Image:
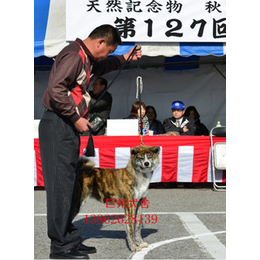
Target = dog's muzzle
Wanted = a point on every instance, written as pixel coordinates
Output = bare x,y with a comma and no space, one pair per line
147,164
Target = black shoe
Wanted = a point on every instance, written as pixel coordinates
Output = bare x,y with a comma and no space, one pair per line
85,249
69,254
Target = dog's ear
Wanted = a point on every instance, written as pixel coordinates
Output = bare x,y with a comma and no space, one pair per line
156,149
134,151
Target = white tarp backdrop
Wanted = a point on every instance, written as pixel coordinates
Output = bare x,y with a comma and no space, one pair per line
204,88
150,21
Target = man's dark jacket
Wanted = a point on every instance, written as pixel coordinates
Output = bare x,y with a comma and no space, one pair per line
171,125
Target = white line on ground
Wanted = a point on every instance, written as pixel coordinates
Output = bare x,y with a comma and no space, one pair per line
140,255
195,227
199,232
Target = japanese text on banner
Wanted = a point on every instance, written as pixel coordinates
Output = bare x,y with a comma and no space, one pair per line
150,20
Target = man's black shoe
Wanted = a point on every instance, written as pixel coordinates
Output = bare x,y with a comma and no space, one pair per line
69,254
85,249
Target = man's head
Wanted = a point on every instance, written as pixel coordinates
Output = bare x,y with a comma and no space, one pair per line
107,32
99,85
102,41
178,109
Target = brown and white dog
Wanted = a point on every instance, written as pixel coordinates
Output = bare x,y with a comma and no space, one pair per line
127,183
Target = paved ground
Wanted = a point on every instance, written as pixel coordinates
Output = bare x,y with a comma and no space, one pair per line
185,223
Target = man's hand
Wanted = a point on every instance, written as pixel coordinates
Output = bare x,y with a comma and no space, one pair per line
82,125
185,129
136,55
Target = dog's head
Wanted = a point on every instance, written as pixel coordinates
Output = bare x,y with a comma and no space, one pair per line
145,158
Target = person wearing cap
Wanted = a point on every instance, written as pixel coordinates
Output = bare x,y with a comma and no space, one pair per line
178,122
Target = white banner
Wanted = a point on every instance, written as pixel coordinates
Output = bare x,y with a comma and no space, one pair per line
149,20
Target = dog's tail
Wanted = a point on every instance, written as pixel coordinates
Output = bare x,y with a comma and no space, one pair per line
85,165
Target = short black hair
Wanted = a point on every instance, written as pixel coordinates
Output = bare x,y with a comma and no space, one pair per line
108,32
151,107
189,109
102,81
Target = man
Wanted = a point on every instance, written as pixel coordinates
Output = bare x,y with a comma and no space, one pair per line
103,106
66,101
179,123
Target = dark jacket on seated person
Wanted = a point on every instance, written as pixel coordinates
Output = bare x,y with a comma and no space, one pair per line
170,125
201,129
103,107
157,127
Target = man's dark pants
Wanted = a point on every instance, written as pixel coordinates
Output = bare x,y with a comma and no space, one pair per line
59,148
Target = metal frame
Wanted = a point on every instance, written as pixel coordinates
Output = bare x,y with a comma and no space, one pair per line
219,132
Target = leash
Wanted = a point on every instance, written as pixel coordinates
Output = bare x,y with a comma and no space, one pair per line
109,85
139,90
90,151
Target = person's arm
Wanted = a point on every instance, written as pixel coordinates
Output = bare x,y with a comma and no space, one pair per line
190,128
136,55
62,79
169,126
111,63
82,125
114,62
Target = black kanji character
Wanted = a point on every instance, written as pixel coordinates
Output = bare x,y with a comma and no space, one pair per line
173,7
114,5
125,27
92,5
219,28
154,7
131,6
210,7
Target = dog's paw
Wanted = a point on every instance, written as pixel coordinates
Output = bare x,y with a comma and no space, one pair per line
136,249
144,244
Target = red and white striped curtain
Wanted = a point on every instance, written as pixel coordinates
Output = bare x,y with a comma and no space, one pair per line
182,158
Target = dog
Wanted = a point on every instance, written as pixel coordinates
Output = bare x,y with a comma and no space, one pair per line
127,183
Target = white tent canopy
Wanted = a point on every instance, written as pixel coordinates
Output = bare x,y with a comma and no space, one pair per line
50,36
203,87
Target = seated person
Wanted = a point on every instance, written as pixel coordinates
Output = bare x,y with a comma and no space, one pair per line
103,106
135,114
192,112
154,124
178,122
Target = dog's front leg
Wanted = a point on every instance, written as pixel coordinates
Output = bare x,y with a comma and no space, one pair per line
138,227
130,227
